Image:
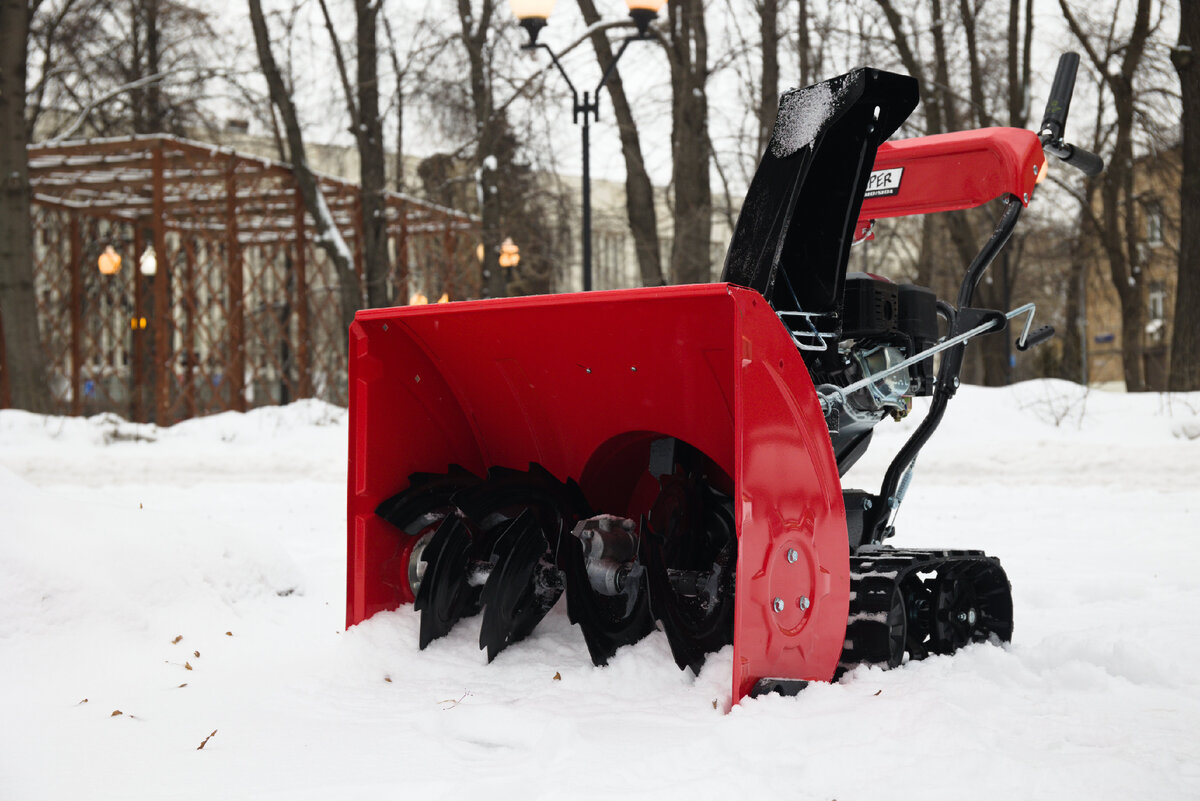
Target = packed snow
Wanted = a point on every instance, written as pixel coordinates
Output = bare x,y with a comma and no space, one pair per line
167,589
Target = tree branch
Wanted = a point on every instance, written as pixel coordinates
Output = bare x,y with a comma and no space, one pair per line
351,106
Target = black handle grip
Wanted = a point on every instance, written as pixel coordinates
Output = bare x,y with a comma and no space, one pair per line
1054,122
1036,337
1085,161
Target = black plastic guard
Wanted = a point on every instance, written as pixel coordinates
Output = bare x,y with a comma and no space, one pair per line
804,200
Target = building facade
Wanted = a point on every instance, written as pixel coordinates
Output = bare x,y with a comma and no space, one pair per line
1157,223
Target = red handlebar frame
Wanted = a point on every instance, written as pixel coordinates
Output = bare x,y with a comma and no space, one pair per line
946,172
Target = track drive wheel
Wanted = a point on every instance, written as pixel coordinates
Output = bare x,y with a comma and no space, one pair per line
971,603
879,629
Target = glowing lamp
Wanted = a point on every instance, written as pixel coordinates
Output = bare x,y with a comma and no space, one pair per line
532,15
148,263
109,261
510,254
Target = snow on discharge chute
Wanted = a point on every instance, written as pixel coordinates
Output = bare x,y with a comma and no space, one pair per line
673,457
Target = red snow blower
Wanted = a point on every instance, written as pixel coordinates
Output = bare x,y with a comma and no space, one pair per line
672,458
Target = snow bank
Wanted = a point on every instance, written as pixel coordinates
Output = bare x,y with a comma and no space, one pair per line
192,579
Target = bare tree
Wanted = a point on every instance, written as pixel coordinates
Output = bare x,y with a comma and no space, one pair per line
327,235
948,106
55,30
768,95
366,125
475,29
639,192
113,68
1185,343
686,38
25,373
1117,233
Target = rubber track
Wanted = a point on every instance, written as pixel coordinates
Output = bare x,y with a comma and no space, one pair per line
873,575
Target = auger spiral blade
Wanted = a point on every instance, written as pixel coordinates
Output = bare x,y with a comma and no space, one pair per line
446,594
522,586
426,500
609,603
690,566
521,517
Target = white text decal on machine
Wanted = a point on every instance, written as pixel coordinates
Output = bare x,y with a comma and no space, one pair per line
884,183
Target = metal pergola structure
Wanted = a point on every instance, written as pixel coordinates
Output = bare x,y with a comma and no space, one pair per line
239,308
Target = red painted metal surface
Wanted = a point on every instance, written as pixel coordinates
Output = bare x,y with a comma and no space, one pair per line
953,171
582,384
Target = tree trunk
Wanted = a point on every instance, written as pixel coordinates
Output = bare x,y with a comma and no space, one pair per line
488,128
372,167
768,105
1185,342
688,50
639,192
327,236
154,105
399,100
1071,366
24,362
804,45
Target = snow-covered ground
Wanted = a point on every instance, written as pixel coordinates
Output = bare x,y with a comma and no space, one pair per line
193,579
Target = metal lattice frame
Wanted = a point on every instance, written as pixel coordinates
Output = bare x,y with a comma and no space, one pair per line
250,313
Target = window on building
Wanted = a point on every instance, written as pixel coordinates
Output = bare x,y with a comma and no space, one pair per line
608,251
1158,300
1154,223
1156,313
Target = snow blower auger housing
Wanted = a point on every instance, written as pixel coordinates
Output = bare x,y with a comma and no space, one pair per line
672,457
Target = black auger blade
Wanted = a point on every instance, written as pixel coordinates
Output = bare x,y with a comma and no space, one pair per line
520,517
507,492
426,500
522,586
607,621
690,568
446,594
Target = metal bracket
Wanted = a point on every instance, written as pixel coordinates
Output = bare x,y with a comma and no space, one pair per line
829,393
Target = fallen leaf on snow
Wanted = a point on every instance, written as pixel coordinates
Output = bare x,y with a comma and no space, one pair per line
187,665
229,634
388,679
204,742
115,713
557,676
181,686
176,640
84,701
197,653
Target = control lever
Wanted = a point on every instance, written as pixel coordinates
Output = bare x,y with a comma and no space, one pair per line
1035,337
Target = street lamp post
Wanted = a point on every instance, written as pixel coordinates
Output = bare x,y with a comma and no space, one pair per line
532,15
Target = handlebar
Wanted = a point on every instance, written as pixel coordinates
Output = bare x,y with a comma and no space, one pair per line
1058,104
1085,161
1054,122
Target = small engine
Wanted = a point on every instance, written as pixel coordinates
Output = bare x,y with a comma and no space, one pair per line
883,323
